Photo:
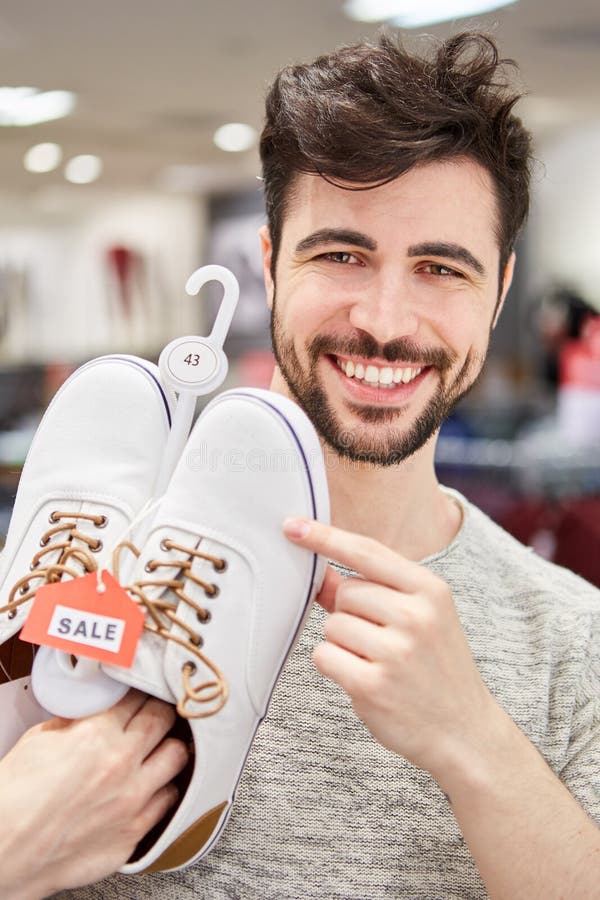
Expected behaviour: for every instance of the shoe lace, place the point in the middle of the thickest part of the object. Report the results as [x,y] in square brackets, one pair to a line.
[65,525]
[161,615]
[161,612]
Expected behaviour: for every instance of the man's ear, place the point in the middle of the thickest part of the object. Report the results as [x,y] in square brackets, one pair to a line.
[267,255]
[506,283]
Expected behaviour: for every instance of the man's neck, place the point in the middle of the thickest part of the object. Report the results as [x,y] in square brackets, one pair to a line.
[401,506]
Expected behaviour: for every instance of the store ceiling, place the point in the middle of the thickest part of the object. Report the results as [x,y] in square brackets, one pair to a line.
[155,78]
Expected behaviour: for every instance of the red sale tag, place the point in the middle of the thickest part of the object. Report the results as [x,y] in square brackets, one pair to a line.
[76,617]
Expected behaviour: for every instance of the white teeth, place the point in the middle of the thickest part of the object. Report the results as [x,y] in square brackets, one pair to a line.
[372,375]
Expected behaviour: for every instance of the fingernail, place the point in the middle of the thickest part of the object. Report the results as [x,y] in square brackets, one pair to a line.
[296,528]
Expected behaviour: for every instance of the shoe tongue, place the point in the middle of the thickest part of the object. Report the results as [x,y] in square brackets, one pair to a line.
[67,525]
[148,670]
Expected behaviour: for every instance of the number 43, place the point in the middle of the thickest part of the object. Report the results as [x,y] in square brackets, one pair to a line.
[192,359]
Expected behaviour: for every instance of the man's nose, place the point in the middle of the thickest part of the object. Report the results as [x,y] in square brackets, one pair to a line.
[386,311]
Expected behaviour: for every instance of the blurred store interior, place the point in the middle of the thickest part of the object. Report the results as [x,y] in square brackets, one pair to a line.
[132,182]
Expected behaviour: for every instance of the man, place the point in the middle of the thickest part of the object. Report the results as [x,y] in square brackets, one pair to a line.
[396,187]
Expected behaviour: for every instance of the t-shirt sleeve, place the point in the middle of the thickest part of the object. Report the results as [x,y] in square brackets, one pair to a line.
[581,773]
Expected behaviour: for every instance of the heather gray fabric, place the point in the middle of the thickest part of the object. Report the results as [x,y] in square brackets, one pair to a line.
[324,812]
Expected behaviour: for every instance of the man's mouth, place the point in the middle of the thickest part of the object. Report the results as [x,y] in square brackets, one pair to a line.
[375,375]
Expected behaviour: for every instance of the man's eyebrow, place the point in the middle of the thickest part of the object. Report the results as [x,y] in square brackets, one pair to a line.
[335,236]
[450,251]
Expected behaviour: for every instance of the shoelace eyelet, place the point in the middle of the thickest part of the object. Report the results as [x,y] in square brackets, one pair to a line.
[52,518]
[206,617]
[11,614]
[150,566]
[23,589]
[197,641]
[98,547]
[163,545]
[220,566]
[102,523]
[213,592]
[44,541]
[191,665]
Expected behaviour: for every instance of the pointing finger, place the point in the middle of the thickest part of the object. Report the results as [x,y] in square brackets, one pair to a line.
[368,557]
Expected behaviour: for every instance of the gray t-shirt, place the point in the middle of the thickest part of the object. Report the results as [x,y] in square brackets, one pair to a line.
[323,811]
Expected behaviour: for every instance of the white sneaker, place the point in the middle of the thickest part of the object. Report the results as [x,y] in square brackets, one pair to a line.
[91,468]
[226,595]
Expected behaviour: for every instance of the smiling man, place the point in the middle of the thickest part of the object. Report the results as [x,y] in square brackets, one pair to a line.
[396,188]
[452,749]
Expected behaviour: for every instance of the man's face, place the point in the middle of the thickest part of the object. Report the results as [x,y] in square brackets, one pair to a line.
[384,304]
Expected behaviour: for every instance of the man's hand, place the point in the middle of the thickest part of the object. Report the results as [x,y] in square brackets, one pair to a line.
[77,796]
[395,644]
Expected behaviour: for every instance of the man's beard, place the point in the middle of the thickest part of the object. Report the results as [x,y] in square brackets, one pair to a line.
[361,443]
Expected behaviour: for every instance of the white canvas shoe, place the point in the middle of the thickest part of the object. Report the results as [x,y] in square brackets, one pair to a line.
[91,468]
[226,596]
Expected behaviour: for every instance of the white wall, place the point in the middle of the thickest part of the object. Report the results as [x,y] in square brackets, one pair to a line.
[564,231]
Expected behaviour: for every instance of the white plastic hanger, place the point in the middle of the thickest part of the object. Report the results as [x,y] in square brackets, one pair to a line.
[195,366]
[191,366]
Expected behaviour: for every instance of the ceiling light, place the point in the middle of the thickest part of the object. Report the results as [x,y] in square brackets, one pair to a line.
[414,13]
[235,137]
[83,169]
[42,158]
[21,106]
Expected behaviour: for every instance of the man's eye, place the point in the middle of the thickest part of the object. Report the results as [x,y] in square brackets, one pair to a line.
[339,256]
[439,269]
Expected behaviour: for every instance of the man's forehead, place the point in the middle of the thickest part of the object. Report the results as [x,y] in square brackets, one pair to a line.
[440,191]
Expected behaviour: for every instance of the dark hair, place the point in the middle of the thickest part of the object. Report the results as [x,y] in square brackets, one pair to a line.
[366,113]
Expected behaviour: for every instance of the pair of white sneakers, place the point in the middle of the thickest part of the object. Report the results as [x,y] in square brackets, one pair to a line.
[224,593]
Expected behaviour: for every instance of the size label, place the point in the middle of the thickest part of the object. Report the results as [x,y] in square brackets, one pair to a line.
[75,617]
[192,361]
